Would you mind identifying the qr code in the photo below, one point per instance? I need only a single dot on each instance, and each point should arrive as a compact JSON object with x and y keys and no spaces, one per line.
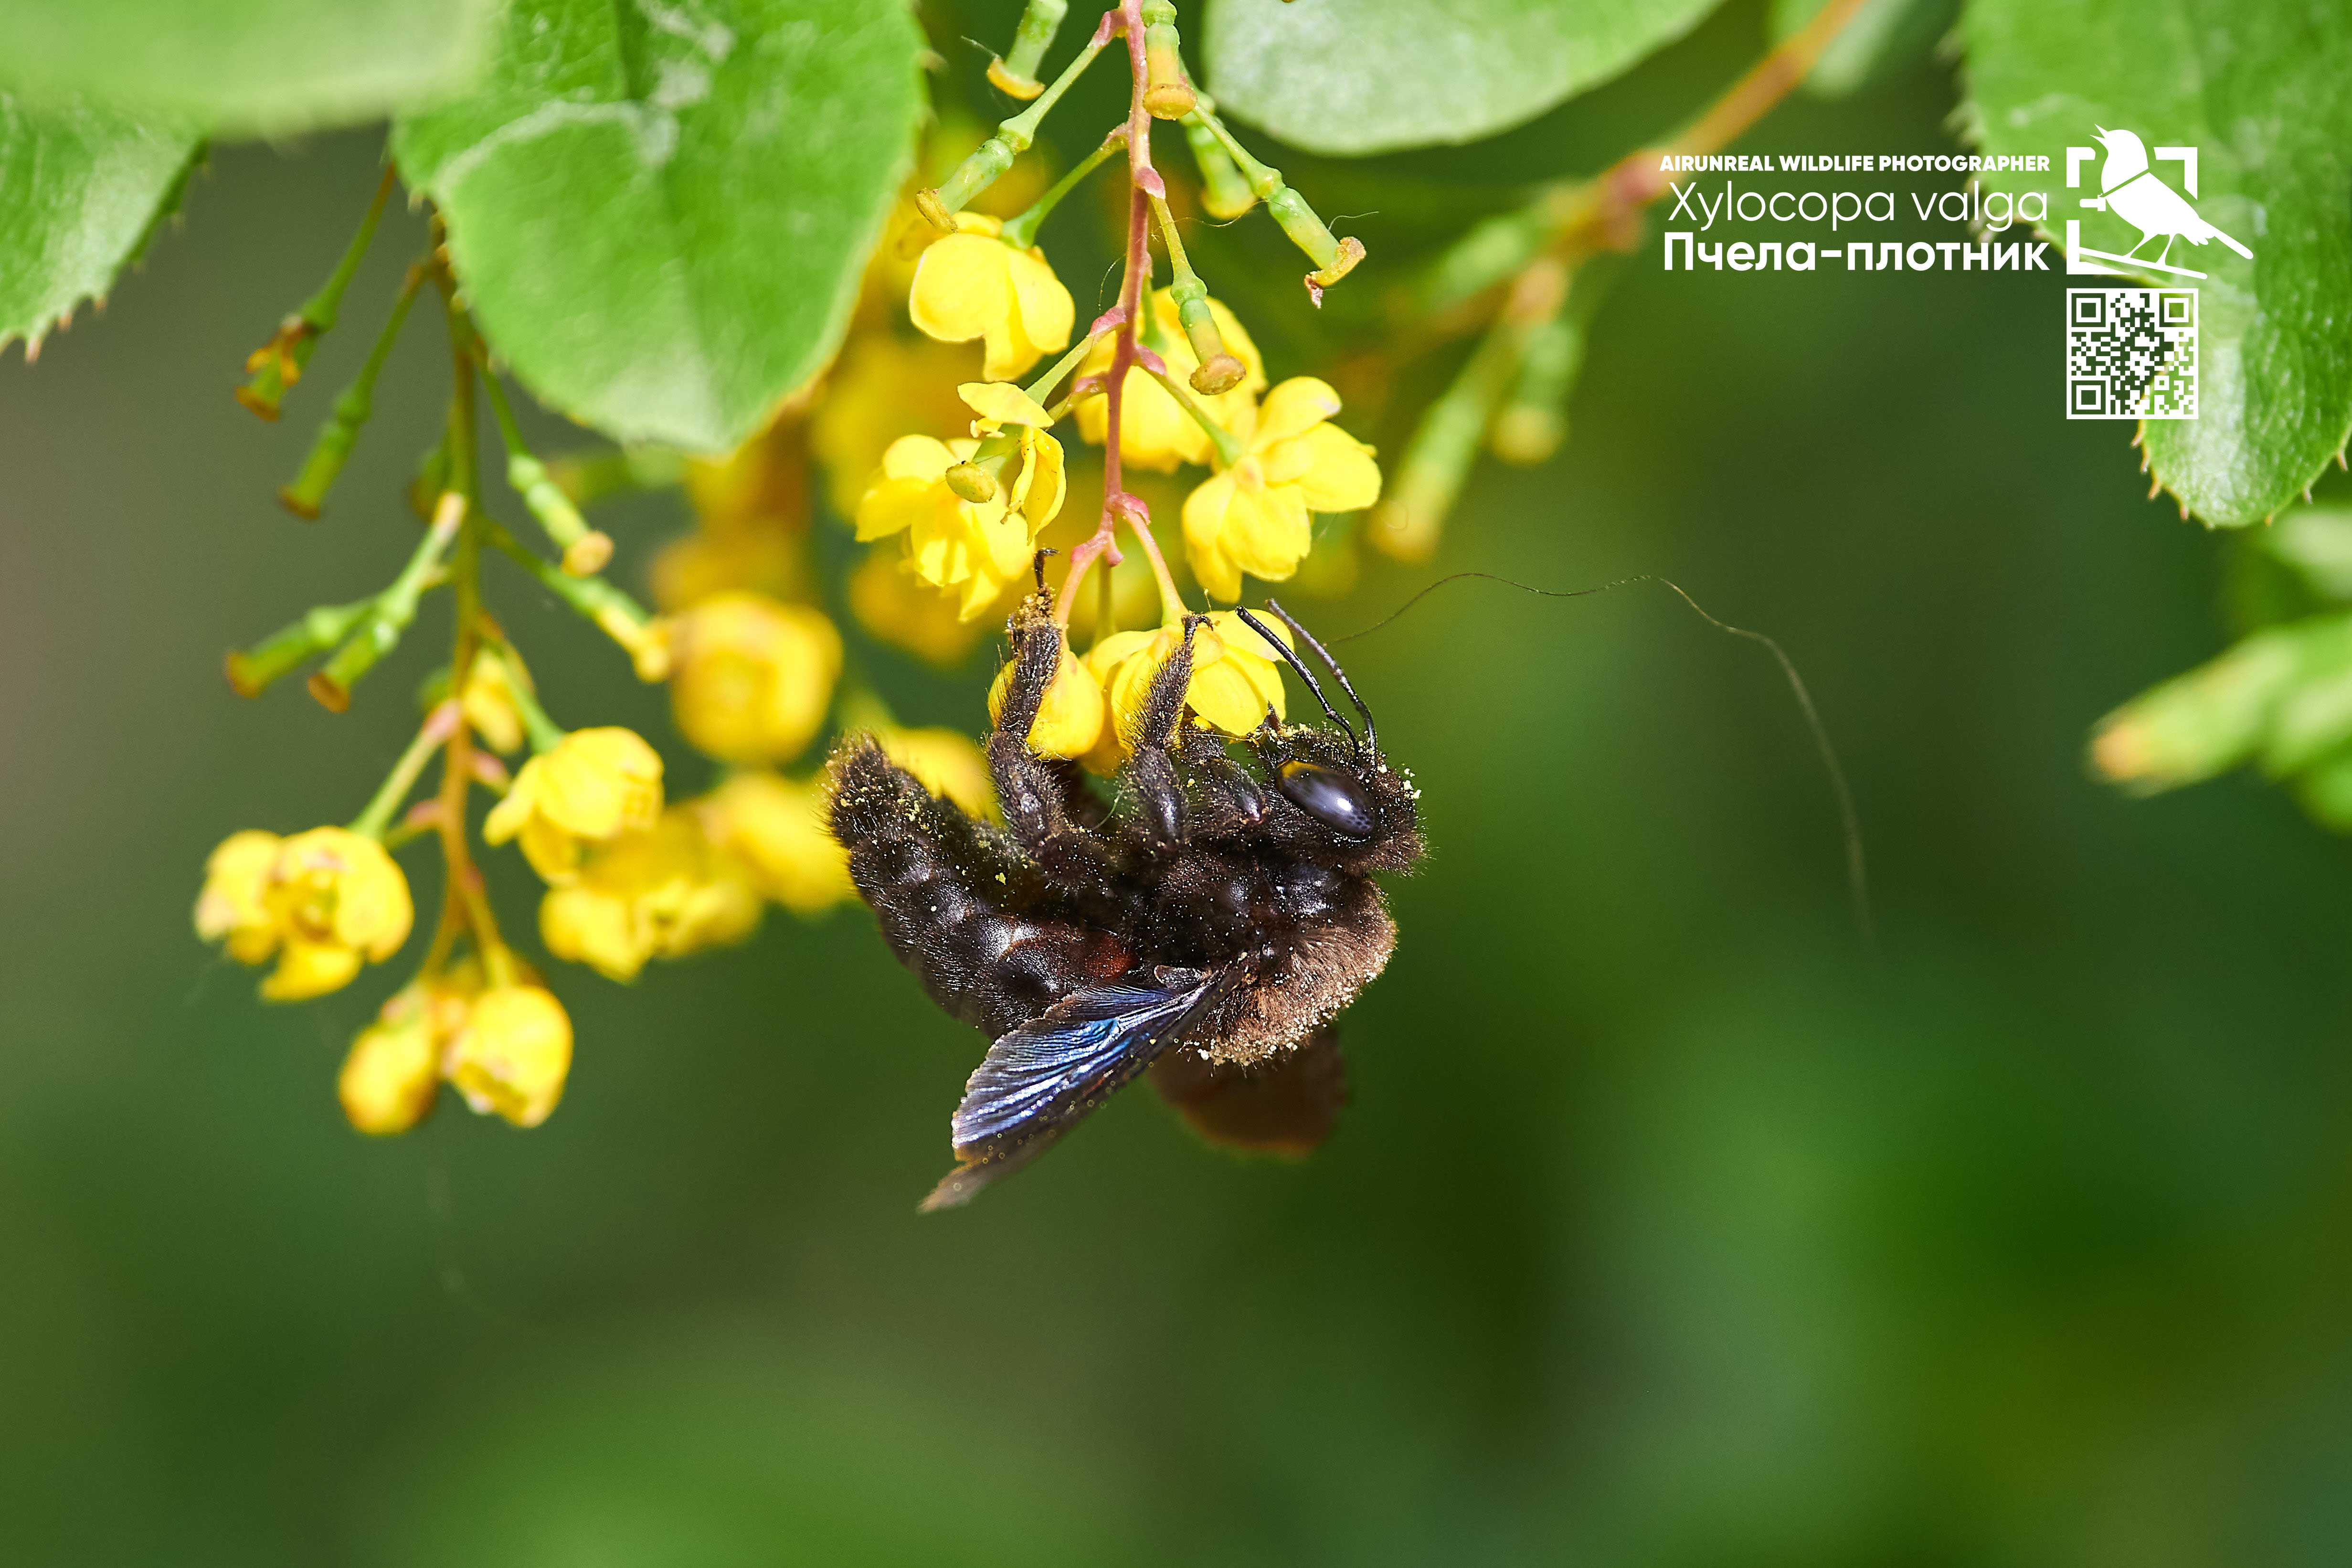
{"x":2131,"y":354}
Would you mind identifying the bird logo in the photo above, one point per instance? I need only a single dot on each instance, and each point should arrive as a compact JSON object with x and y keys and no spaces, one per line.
{"x":2134,"y":192}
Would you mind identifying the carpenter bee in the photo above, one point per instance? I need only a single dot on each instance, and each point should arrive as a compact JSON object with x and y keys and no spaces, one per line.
{"x":1208,"y":930}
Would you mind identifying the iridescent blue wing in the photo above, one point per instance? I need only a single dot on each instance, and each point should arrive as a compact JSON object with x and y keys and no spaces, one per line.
{"x":1041,"y":1080}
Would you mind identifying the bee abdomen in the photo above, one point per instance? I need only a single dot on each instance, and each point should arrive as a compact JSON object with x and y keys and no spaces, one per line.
{"x":967,"y":917}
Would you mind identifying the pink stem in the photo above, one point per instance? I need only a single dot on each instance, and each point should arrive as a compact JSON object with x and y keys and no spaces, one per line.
{"x":1144,"y":181}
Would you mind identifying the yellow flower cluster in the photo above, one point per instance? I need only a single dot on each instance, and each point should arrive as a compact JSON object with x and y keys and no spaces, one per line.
{"x":1253,"y":515}
{"x":1093,"y":705}
{"x":630,"y":881}
{"x":1277,"y":462}
{"x":323,"y":902}
{"x":970,"y":510}
{"x":506,"y":1048}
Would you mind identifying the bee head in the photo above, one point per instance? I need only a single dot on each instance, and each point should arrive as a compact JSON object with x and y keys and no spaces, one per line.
{"x":1360,"y":807}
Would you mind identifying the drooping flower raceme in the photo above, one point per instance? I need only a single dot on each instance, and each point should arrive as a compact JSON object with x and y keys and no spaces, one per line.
{"x":592,"y":788}
{"x":970,"y":284}
{"x":1253,"y":517}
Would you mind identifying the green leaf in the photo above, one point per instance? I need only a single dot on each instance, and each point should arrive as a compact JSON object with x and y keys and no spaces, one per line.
{"x":1371,"y":76}
{"x":243,"y":67}
{"x":659,"y":213}
{"x":2259,"y":90}
{"x":81,"y":189}
{"x":1882,"y":38}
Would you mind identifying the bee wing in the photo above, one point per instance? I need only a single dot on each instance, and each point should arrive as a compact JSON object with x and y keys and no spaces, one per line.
{"x":1041,"y":1080}
{"x":1285,"y":1106}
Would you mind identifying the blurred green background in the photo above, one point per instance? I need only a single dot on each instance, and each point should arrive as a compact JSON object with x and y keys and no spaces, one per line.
{"x":1667,"y":1226}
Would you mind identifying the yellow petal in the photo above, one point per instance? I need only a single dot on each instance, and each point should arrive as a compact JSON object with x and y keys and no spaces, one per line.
{"x":1241,"y":639}
{"x":1004,"y":402}
{"x":960,"y":289}
{"x":917,"y":458}
{"x":309,"y":969}
{"x":1046,"y":312}
{"x":1343,"y":475}
{"x":1045,"y":482}
{"x":1293,"y":408}
{"x":507,"y":817}
{"x":1267,"y":530}
{"x":895,"y":505}
{"x":1224,"y":695}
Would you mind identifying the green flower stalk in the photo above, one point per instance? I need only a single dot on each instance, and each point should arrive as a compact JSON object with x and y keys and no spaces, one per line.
{"x":325,"y":463}
{"x":1334,"y":257}
{"x":1016,"y":72}
{"x":251,"y":671}
{"x":1219,"y":370}
{"x":389,"y":614}
{"x":277,"y":365}
{"x":995,"y":155}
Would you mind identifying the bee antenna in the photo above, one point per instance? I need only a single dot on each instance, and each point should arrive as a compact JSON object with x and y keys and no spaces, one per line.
{"x":1304,"y":674}
{"x":1370,"y":743}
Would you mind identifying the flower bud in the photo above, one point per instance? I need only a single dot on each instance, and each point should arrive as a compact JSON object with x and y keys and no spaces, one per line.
{"x":752,"y":677}
{"x":595,"y":785}
{"x":1069,"y":721}
{"x":1166,"y":94}
{"x":776,"y":827}
{"x":393,"y":1072}
{"x":512,"y":1055}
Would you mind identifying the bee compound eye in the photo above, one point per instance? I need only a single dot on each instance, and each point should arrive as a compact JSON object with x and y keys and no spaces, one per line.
{"x":1335,"y":799}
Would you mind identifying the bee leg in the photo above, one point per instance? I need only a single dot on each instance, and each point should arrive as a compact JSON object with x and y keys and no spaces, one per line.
{"x":1034,"y":793}
{"x":1225,"y":798}
{"x":1151,"y":771}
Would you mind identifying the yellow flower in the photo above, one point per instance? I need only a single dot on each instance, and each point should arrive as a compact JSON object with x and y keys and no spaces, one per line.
{"x":776,"y":827}
{"x":947,"y":763}
{"x":752,"y":677}
{"x":882,"y":387}
{"x":230,"y":909}
{"x":394,"y":1070}
{"x":984,"y":545}
{"x":512,"y":1054}
{"x":1070,"y":720}
{"x":665,"y":892}
{"x":592,"y":788}
{"x":489,"y":701}
{"x":970,"y":284}
{"x":336,"y":899}
{"x":1252,"y":516}
{"x":1235,"y":679}
{"x":892,"y":603}
{"x":1154,"y":431}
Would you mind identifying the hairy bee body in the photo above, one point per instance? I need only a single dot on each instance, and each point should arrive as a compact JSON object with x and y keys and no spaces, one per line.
{"x":1214,"y":925}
